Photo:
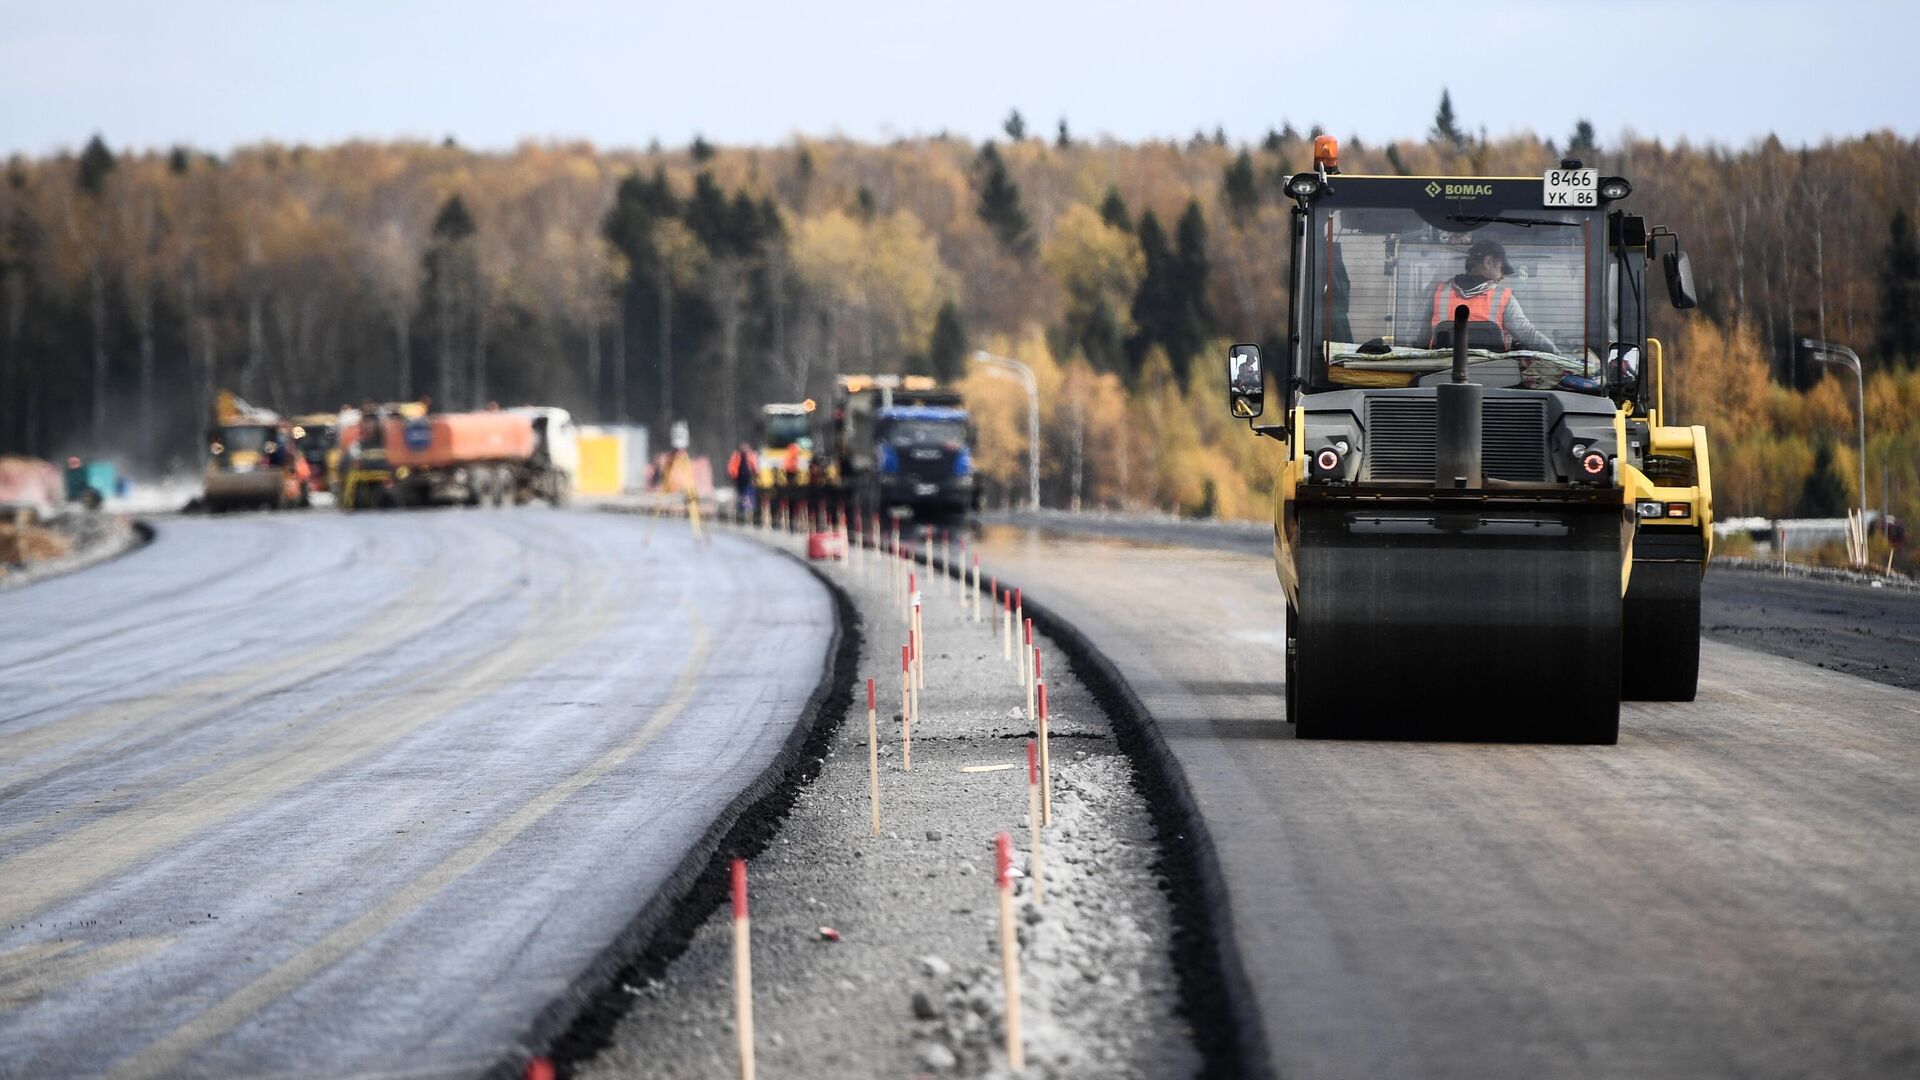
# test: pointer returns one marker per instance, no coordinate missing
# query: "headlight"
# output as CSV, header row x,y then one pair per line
x,y
1649,508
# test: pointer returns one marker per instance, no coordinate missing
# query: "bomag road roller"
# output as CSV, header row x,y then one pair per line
x,y
1484,526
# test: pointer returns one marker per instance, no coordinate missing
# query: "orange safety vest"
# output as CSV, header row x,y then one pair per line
x,y
1487,305
790,461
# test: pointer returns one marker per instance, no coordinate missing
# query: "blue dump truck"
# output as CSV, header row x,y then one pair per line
x,y
902,443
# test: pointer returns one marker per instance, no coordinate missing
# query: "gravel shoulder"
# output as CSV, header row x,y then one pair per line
x,y
911,985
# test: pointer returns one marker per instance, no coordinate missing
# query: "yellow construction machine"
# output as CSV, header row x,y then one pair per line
x,y
1485,524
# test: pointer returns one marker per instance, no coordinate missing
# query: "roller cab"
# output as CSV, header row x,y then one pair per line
x,y
1463,527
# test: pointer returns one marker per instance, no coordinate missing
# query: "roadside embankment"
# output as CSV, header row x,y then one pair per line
x,y
877,955
34,549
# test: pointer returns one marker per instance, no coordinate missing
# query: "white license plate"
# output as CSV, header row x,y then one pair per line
x,y
925,489
1570,188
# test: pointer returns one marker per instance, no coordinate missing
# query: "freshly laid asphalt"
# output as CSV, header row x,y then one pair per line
x,y
332,794
1729,892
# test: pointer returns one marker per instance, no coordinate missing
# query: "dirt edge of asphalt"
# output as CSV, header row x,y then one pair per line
x,y
1215,991
579,1023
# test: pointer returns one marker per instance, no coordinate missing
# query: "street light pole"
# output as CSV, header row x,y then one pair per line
x,y
1006,367
1826,352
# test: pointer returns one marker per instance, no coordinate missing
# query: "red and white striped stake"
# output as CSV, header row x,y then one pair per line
x,y
913,593
742,971
893,579
919,646
1009,948
1046,761
946,562
1006,626
873,757
1033,817
1019,610
976,590
906,707
1026,672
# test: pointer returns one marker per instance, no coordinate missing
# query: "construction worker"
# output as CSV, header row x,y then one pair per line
x,y
790,463
743,468
1487,301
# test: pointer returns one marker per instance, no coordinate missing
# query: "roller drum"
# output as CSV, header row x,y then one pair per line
x,y
1459,624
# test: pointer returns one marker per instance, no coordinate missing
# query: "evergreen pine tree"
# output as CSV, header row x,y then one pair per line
x,y
1271,144
1000,207
1446,126
1190,327
1240,188
179,161
96,161
1824,494
1063,140
1015,125
1393,159
702,151
1156,302
948,348
1580,144
1113,211
1900,294
453,223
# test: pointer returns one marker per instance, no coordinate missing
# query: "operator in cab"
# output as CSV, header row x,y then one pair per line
x,y
1488,301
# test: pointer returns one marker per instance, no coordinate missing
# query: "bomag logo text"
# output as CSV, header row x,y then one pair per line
x,y
1458,191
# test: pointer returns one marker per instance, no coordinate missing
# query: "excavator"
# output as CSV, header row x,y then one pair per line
x,y
1485,524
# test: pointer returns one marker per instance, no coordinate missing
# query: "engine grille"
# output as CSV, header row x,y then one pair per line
x,y
1513,439
1402,431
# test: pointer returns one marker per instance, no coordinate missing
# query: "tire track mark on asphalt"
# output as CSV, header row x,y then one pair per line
x,y
426,612
62,965
162,1057
217,577
286,672
40,876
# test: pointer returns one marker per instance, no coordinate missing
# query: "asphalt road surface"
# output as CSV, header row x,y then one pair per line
x,y
331,794
1733,890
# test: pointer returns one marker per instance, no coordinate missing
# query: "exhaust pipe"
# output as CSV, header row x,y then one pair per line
x,y
1456,457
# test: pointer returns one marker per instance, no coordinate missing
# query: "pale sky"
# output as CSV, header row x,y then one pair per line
x,y
216,73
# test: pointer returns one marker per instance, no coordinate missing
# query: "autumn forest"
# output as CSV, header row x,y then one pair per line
x,y
698,281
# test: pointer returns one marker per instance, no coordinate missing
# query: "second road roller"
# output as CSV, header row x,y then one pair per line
x,y
1484,525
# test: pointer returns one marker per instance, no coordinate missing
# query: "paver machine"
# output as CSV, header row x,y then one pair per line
x,y
1484,525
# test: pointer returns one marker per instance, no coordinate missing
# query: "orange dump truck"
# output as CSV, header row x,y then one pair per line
x,y
464,458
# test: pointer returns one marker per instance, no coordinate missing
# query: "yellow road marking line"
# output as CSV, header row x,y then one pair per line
x,y
64,865
161,1058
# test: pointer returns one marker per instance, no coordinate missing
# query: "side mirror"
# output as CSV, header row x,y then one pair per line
x,y
1623,368
1679,279
1246,386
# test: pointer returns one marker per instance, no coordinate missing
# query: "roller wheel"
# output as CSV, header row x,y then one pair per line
x,y
1661,633
1293,703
